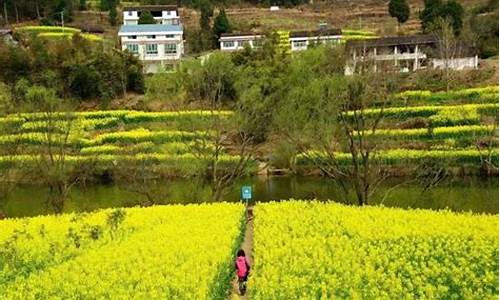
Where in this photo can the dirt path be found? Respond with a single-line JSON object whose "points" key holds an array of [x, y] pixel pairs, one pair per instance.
{"points": [[247, 246]]}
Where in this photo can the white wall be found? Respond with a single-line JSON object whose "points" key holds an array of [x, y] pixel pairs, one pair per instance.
{"points": [[236, 45], [130, 15], [456, 64], [160, 40]]}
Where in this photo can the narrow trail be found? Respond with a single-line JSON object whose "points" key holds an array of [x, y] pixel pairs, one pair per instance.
{"points": [[247, 246]]}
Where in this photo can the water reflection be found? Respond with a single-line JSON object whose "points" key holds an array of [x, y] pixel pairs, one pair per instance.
{"points": [[464, 194]]}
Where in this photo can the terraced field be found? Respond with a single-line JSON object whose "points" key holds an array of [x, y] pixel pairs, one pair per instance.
{"points": [[457, 127], [107, 138]]}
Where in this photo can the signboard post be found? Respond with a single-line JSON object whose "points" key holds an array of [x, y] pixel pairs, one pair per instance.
{"points": [[246, 193]]}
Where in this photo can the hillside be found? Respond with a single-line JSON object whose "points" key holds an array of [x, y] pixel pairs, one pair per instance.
{"points": [[371, 14]]}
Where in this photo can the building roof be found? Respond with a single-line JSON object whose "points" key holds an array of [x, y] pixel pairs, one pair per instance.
{"points": [[240, 34], [426, 40], [318, 32], [393, 41], [149, 28], [293, 34], [150, 8]]}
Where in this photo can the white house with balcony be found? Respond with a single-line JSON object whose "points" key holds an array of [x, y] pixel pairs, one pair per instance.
{"points": [[407, 53], [158, 46], [299, 40]]}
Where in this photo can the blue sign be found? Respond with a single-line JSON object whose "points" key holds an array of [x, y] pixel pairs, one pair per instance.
{"points": [[246, 193]]}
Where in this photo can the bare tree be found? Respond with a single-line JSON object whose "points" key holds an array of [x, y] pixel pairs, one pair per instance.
{"points": [[220, 136], [60, 135], [486, 146], [332, 123], [11, 176], [448, 47], [140, 177]]}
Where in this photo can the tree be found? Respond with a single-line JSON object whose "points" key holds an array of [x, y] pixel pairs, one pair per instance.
{"points": [[483, 25], [435, 9], [449, 47], [400, 10], [212, 141], [221, 25], [55, 170], [330, 120], [453, 11], [146, 18], [108, 4], [206, 13], [10, 177], [113, 16], [83, 5]]}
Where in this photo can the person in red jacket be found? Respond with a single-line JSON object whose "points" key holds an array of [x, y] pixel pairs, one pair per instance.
{"points": [[242, 269]]}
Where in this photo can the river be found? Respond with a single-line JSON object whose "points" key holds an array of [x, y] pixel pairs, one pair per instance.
{"points": [[479, 195]]}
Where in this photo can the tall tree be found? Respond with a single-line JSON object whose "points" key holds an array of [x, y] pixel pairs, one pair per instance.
{"points": [[435, 9], [449, 47], [400, 10], [221, 25], [113, 15], [82, 5], [206, 13]]}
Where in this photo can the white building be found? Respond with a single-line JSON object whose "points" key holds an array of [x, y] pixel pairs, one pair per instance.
{"points": [[407, 53], [158, 46], [163, 14], [299, 40], [237, 41]]}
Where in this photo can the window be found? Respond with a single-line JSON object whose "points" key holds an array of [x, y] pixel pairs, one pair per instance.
{"points": [[228, 44], [134, 48], [169, 36], [170, 48], [151, 37], [242, 43], [299, 44], [257, 43], [133, 37], [152, 49], [130, 13], [330, 41], [168, 12]]}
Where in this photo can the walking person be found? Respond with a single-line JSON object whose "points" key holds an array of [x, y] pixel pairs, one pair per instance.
{"points": [[242, 270]]}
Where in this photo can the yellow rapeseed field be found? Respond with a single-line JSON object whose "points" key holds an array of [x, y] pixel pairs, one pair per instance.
{"points": [[306, 250], [163, 252]]}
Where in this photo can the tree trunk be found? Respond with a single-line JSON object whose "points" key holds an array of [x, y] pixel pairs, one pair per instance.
{"points": [[37, 8], [17, 12], [6, 16]]}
